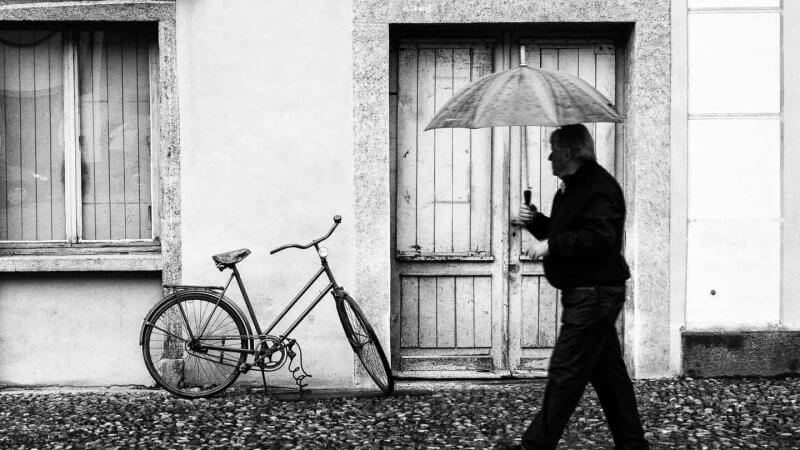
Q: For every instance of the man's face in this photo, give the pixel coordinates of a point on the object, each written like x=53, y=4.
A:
x=560, y=160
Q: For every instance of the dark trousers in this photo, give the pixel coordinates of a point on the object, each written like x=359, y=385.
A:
x=587, y=350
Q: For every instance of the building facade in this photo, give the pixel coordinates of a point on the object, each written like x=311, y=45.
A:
x=139, y=138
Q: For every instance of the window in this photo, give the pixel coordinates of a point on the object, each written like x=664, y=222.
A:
x=75, y=136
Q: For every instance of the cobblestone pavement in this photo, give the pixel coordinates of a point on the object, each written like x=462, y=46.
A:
x=726, y=413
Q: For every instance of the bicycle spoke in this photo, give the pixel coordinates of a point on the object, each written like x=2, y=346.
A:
x=217, y=371
x=168, y=333
x=200, y=369
x=186, y=320
x=191, y=311
x=218, y=374
x=227, y=361
x=216, y=328
x=210, y=324
x=205, y=307
x=173, y=319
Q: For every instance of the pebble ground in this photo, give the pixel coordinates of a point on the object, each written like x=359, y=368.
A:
x=678, y=413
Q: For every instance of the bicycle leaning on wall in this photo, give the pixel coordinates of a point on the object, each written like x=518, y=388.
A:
x=196, y=341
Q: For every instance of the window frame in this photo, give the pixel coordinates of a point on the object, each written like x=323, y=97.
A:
x=74, y=244
x=168, y=258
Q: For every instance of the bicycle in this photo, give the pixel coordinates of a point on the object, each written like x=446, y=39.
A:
x=193, y=354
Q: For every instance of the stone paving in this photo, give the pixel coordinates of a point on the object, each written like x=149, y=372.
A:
x=679, y=413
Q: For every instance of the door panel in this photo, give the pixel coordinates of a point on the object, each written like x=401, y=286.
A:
x=455, y=311
x=539, y=312
x=443, y=176
x=534, y=305
x=446, y=317
x=446, y=296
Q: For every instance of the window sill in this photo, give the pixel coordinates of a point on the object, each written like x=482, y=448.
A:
x=82, y=263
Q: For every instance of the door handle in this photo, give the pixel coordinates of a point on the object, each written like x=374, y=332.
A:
x=513, y=268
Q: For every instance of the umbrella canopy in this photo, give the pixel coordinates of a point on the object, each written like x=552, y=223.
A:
x=525, y=96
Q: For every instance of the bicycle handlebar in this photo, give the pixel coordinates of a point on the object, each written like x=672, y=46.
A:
x=336, y=221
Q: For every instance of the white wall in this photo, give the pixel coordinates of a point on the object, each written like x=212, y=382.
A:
x=266, y=153
x=74, y=329
x=790, y=307
x=734, y=165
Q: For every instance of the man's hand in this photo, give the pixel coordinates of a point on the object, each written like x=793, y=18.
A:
x=538, y=250
x=525, y=215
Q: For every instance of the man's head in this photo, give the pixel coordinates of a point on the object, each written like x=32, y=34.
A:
x=570, y=147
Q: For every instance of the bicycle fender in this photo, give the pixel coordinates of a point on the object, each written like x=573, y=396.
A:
x=225, y=300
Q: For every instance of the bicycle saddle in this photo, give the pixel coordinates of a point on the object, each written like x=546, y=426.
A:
x=230, y=258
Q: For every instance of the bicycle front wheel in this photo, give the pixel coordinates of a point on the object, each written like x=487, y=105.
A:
x=364, y=342
x=183, y=361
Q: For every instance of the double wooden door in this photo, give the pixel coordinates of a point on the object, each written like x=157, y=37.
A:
x=465, y=299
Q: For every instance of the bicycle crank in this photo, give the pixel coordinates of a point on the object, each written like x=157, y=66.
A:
x=271, y=354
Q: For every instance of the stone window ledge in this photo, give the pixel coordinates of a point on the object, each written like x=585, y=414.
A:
x=82, y=263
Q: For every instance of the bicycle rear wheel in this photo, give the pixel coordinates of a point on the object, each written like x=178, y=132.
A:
x=364, y=342
x=187, y=367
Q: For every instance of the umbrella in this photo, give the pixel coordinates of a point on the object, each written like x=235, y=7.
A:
x=525, y=96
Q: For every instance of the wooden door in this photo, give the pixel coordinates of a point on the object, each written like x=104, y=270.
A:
x=464, y=301
x=534, y=305
x=448, y=289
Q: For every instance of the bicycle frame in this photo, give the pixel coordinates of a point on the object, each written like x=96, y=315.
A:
x=183, y=329
x=332, y=286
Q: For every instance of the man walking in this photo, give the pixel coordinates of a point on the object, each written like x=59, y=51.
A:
x=581, y=244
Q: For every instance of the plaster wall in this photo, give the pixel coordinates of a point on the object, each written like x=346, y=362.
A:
x=266, y=155
x=74, y=330
x=734, y=149
x=790, y=306
x=646, y=135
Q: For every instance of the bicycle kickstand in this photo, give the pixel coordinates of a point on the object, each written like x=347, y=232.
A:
x=264, y=380
x=298, y=373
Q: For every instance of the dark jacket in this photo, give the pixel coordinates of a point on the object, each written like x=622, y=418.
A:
x=585, y=231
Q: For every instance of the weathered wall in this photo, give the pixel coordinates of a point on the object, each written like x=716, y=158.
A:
x=266, y=153
x=71, y=329
x=646, y=161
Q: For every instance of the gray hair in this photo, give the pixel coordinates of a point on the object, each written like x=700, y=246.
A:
x=576, y=138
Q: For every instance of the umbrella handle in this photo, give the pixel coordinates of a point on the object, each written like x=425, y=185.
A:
x=527, y=195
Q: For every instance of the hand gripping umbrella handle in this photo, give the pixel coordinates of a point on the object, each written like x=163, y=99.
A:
x=527, y=192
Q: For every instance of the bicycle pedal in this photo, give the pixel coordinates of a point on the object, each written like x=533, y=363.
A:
x=244, y=368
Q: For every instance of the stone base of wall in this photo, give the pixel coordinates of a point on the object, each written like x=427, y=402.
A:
x=740, y=353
